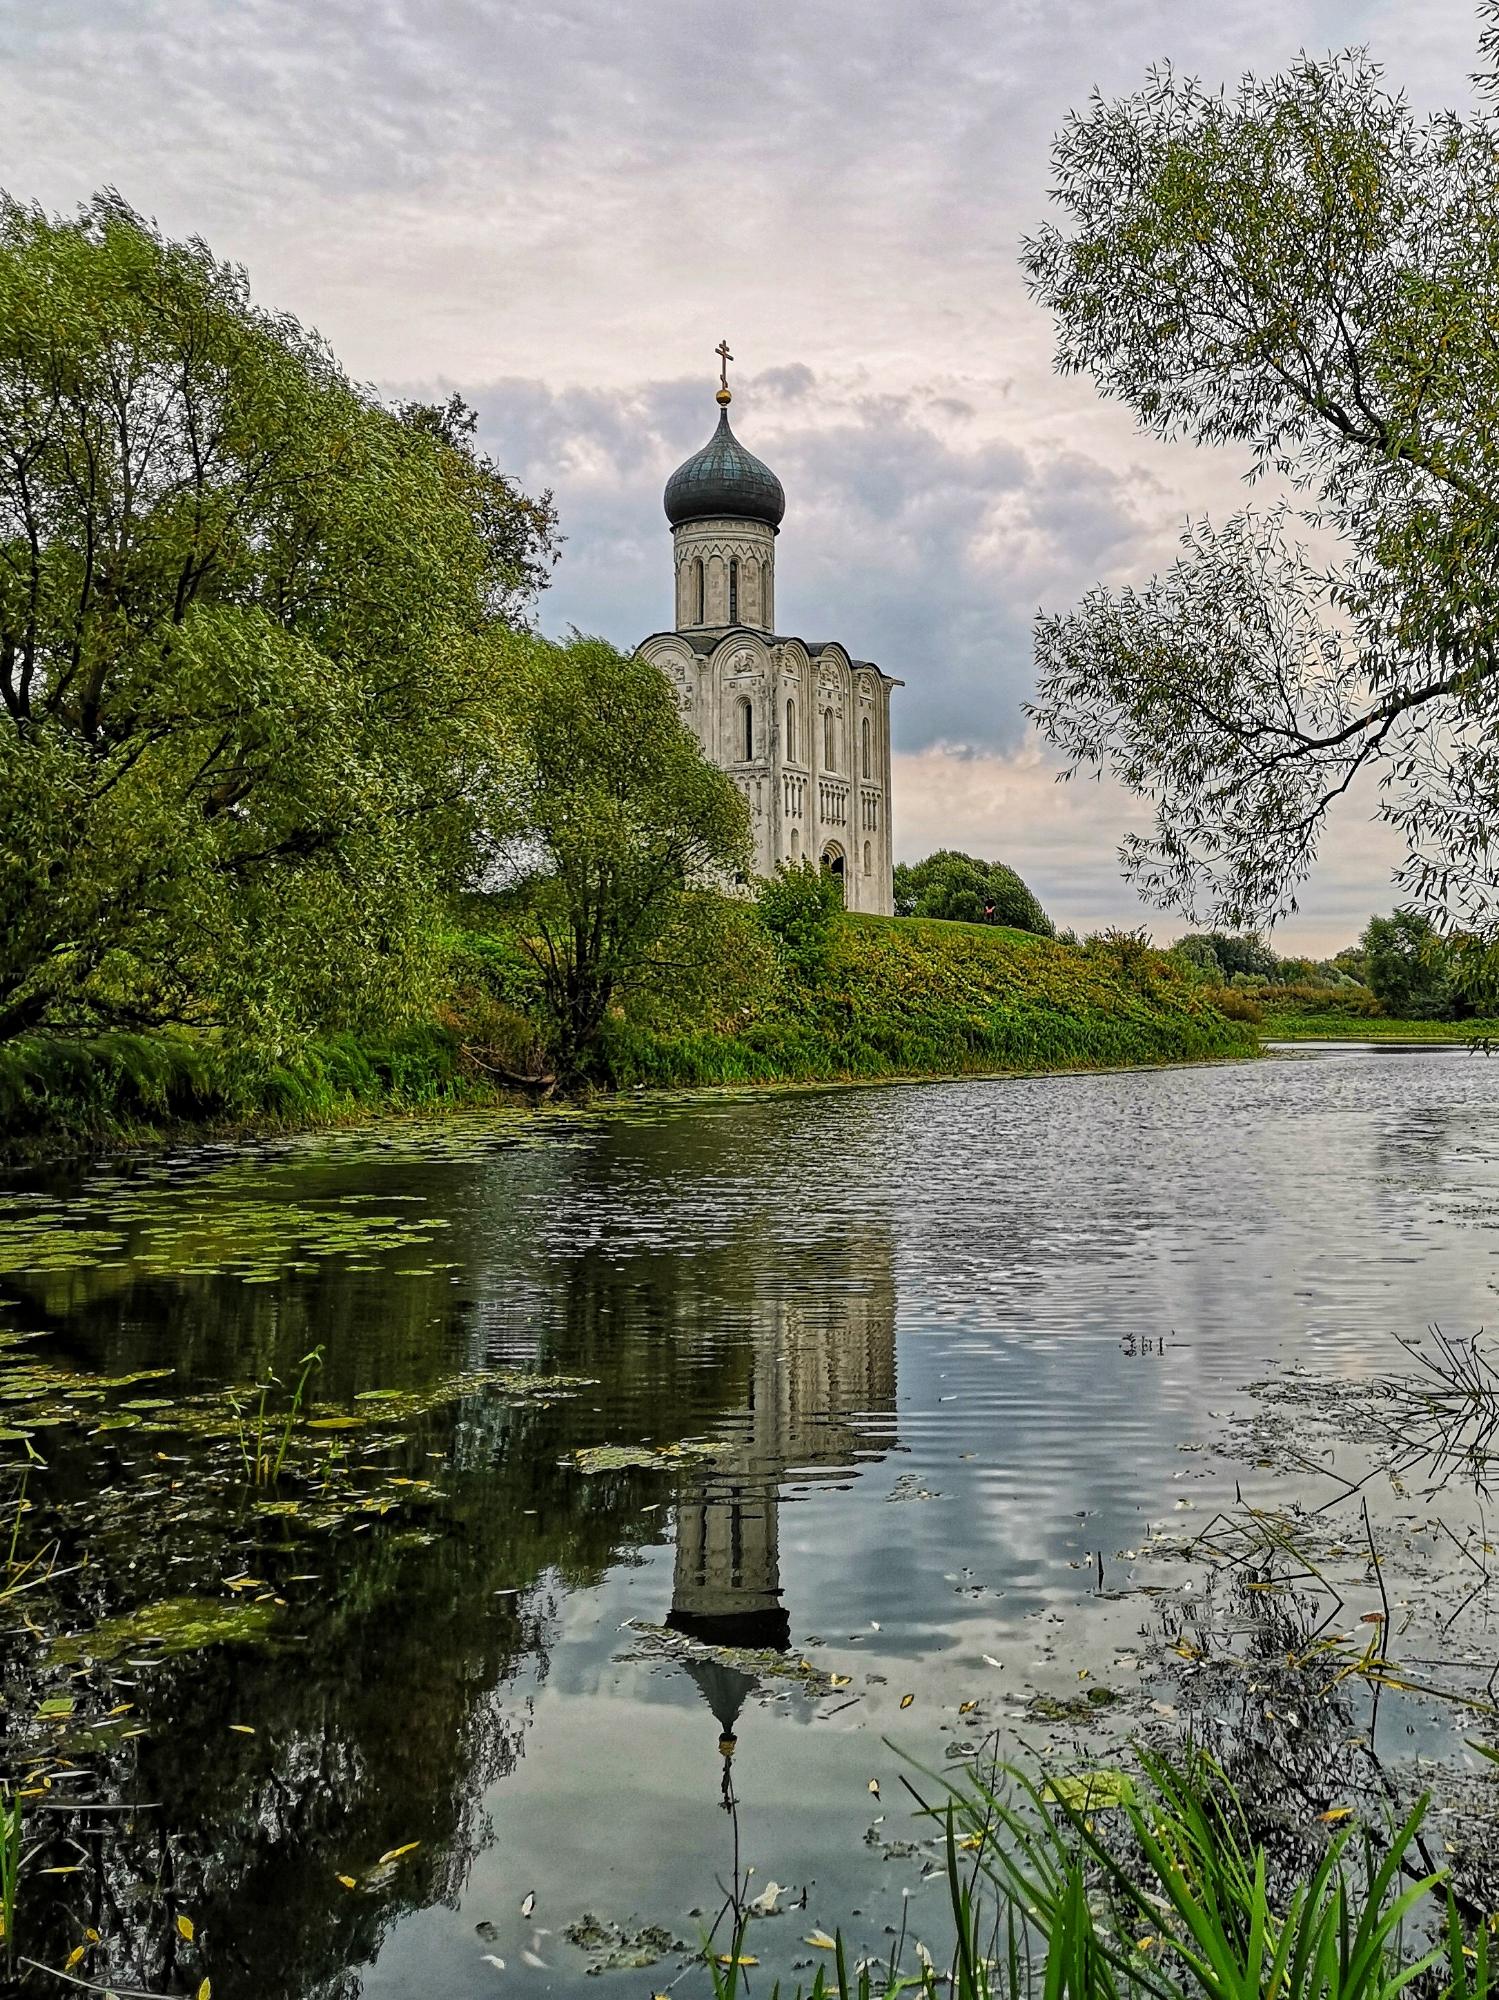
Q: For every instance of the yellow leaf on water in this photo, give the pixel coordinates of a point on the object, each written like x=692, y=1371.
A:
x=241, y=1729
x=185, y=1929
x=906, y=1700
x=347, y=1880
x=205, y=1991
x=820, y=1941
x=839, y=1680
x=1334, y=1814
x=73, y=1958
x=724, y=1959
x=395, y=1853
x=967, y=1707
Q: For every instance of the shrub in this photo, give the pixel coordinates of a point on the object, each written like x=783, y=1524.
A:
x=799, y=907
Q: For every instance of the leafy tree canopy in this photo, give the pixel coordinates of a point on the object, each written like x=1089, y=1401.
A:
x=964, y=889
x=1306, y=268
x=519, y=533
x=619, y=828
x=248, y=651
x=1410, y=967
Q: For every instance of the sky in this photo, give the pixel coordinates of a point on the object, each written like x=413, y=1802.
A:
x=560, y=209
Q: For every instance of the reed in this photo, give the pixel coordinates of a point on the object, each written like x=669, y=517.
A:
x=1108, y=1887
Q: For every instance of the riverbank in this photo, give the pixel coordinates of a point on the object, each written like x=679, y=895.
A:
x=901, y=997
x=1366, y=1028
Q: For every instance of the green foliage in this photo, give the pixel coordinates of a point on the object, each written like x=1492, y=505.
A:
x=1409, y=967
x=911, y=997
x=519, y=533
x=1158, y=1886
x=615, y=822
x=1303, y=265
x=87, y=1089
x=800, y=907
x=1224, y=955
x=963, y=889
x=248, y=655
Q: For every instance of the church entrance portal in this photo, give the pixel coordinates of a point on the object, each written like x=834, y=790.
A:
x=833, y=864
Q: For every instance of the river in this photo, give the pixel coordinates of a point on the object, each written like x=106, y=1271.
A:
x=958, y=1350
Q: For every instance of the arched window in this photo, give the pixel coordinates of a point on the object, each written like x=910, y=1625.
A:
x=701, y=591
x=796, y=846
x=868, y=850
x=733, y=590
x=827, y=740
x=864, y=734
x=746, y=730
x=751, y=595
x=791, y=732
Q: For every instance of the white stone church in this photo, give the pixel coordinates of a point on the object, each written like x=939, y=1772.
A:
x=802, y=728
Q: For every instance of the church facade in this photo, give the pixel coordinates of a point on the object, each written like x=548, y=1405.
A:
x=801, y=726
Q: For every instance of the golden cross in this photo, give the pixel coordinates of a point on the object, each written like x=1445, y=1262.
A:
x=722, y=351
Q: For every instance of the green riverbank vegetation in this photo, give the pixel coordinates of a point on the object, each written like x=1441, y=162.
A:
x=1405, y=980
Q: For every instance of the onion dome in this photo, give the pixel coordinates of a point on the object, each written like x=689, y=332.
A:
x=724, y=479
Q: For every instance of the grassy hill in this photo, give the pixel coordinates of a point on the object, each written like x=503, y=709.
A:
x=908, y=996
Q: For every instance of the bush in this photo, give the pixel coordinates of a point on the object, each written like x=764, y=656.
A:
x=1237, y=1005
x=800, y=906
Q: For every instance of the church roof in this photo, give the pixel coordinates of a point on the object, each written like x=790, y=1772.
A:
x=724, y=479
x=706, y=639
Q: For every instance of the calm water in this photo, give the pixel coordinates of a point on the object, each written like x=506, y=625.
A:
x=954, y=1337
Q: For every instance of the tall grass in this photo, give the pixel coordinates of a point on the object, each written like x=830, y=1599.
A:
x=10, y=1870
x=117, y=1086
x=1109, y=1888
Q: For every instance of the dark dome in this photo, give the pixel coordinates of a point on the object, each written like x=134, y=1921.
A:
x=724, y=478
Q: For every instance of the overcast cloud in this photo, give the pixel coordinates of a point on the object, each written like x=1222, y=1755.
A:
x=560, y=209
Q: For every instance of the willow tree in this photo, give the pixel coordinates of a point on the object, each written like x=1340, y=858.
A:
x=1305, y=268
x=249, y=655
x=620, y=838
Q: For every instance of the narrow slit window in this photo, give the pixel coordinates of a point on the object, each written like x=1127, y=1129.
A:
x=733, y=590
x=865, y=735
x=827, y=738
x=791, y=732
x=702, y=592
x=746, y=731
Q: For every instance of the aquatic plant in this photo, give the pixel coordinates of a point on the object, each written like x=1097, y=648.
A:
x=1103, y=1886
x=10, y=1869
x=256, y=1439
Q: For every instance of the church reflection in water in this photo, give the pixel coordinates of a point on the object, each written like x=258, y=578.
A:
x=820, y=1401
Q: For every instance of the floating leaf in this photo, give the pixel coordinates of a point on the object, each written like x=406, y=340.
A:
x=1090, y=1791
x=906, y=1700
x=185, y=1929
x=395, y=1853
x=348, y=1881
x=56, y=1705
x=820, y=1941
